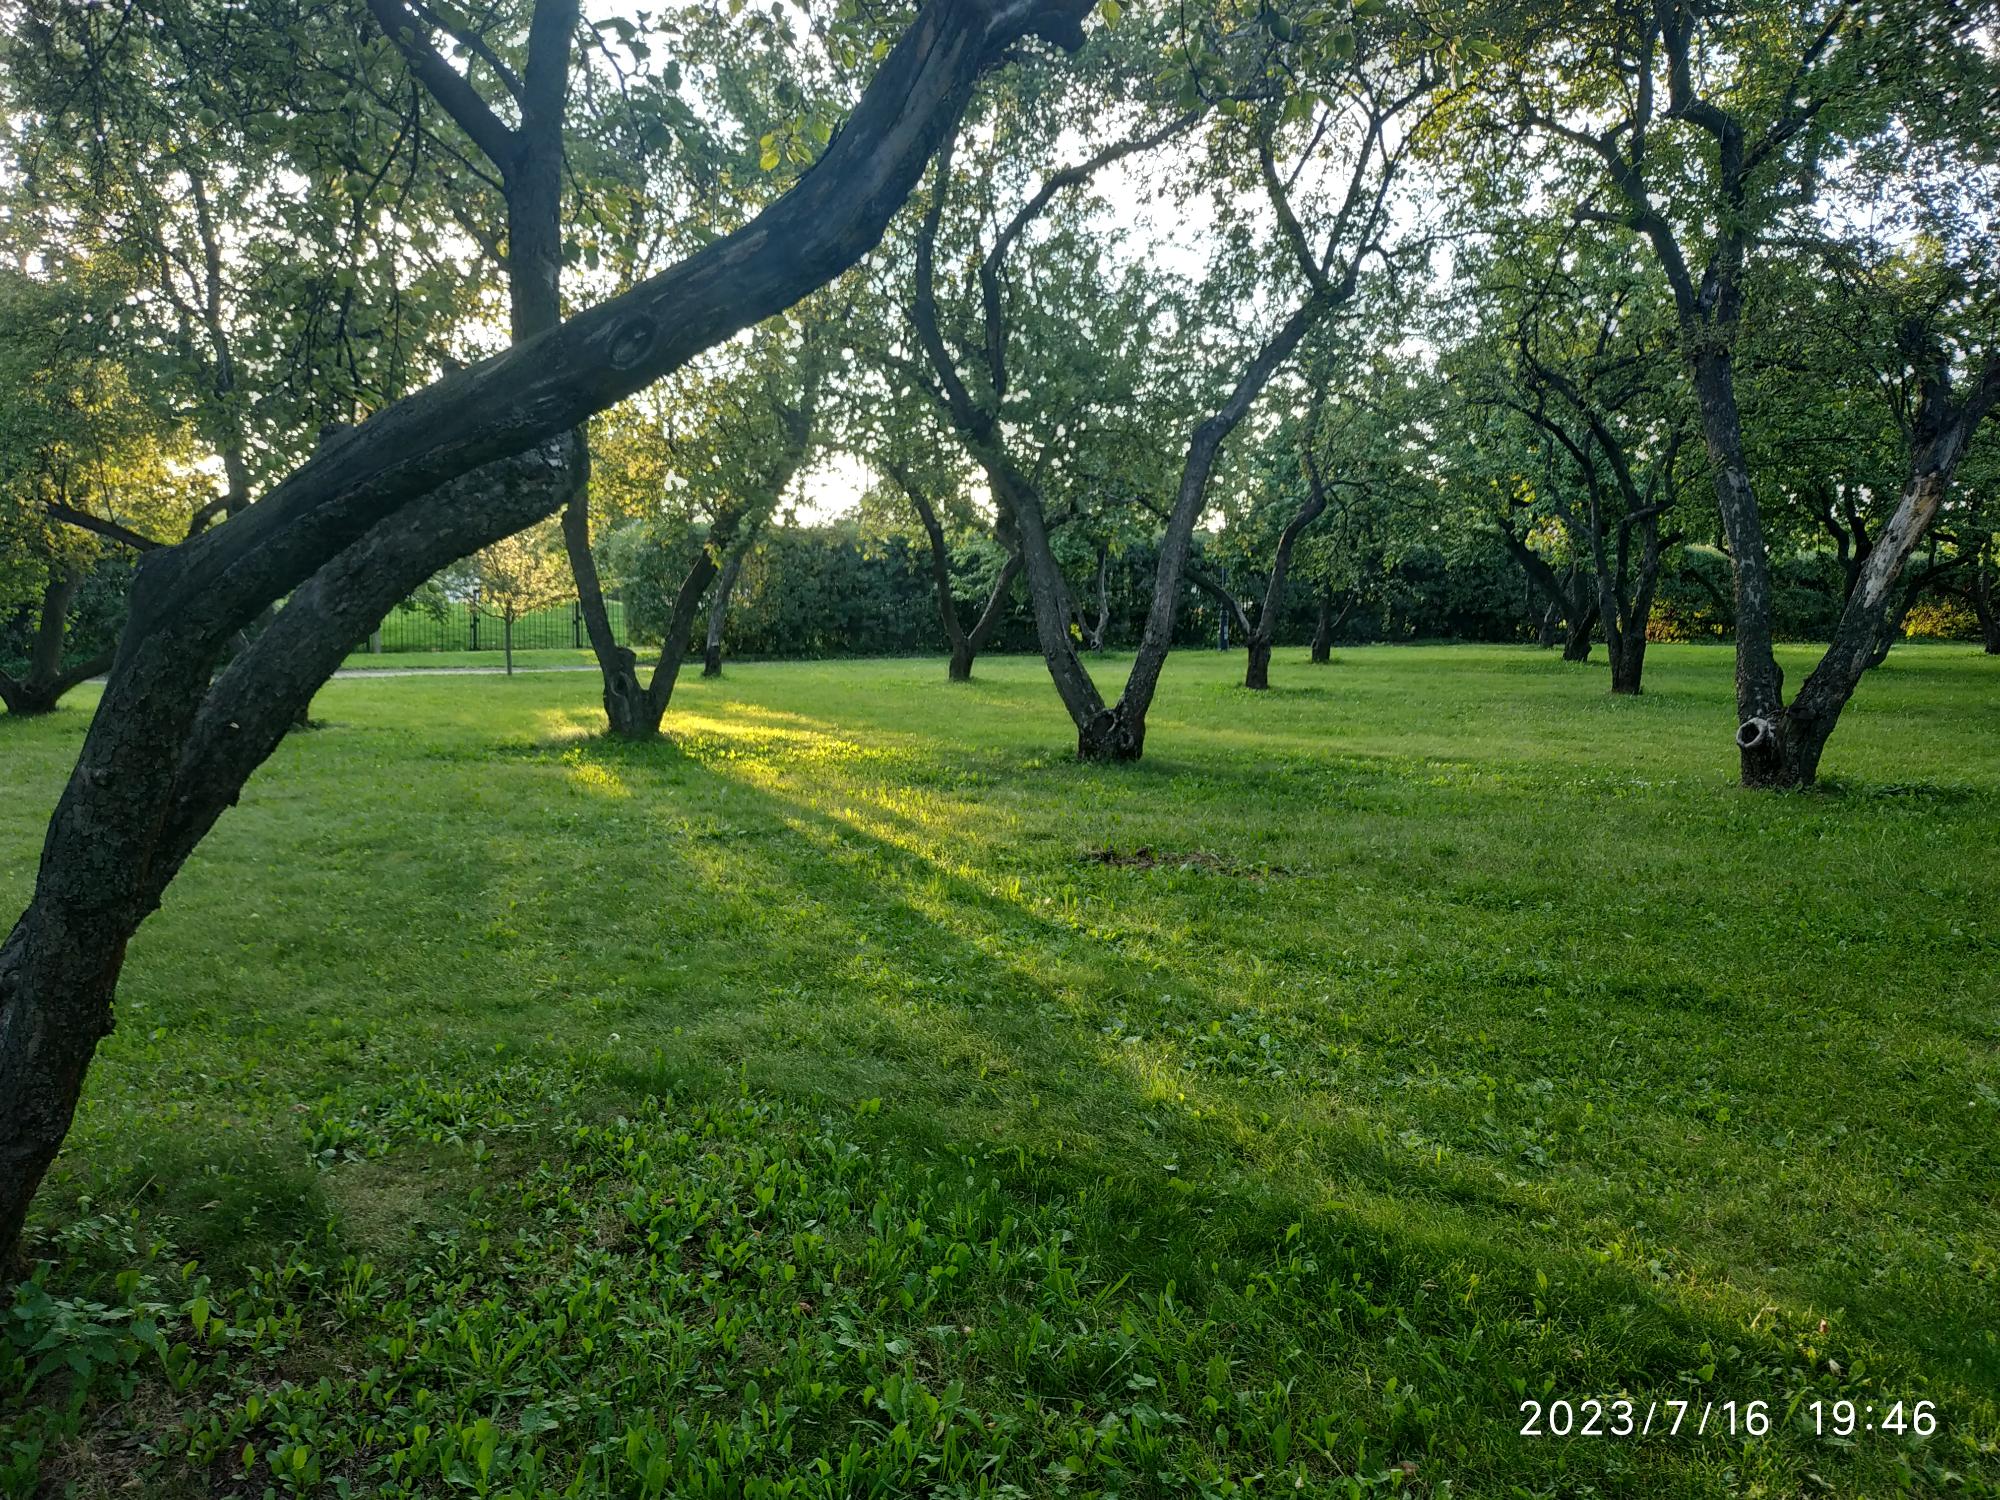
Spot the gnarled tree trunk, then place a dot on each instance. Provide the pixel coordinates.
(423, 482)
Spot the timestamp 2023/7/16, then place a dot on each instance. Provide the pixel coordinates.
(1621, 1417)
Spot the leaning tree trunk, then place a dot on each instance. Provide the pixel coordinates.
(1785, 747)
(1550, 630)
(718, 606)
(970, 643)
(1568, 602)
(423, 482)
(1257, 673)
(963, 645)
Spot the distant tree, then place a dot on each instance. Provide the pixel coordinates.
(518, 575)
(87, 470)
(1714, 137)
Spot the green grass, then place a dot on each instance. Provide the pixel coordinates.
(795, 1107)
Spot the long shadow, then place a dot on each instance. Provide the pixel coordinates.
(1224, 1200)
(1434, 1258)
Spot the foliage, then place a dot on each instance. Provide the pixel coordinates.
(524, 572)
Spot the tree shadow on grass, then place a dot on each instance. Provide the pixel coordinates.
(1320, 1251)
(1202, 1193)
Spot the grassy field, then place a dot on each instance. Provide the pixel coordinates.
(852, 1095)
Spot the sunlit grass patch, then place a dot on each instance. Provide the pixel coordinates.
(1493, 1044)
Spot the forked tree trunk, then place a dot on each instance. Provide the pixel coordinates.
(1569, 604)
(1780, 745)
(964, 645)
(1117, 731)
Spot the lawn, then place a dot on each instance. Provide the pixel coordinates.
(853, 1095)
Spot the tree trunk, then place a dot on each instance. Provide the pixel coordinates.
(968, 644)
(718, 606)
(1322, 641)
(1567, 601)
(1257, 671)
(1102, 628)
(425, 481)
(1628, 663)
(1980, 591)
(1760, 684)
(1551, 627)
(507, 640)
(1576, 643)
(1628, 656)
(1117, 733)
(44, 685)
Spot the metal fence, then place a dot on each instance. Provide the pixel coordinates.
(462, 626)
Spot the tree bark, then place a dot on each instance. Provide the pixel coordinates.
(1257, 673)
(973, 641)
(1095, 637)
(365, 521)
(1569, 605)
(1550, 630)
(1576, 640)
(1118, 731)
(1322, 641)
(1980, 593)
(1760, 683)
(1257, 669)
(1784, 750)
(718, 604)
